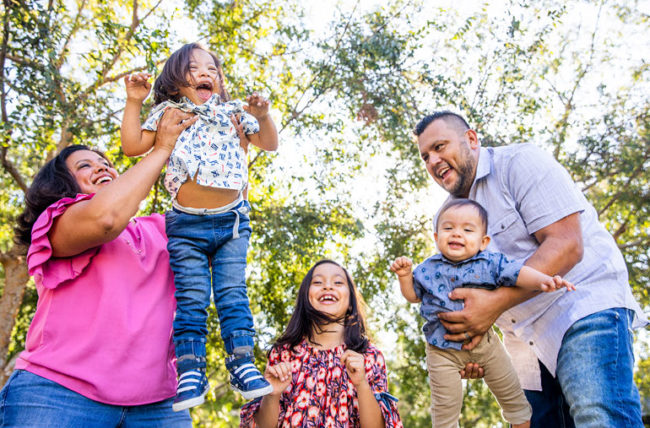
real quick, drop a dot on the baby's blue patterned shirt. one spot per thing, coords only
(434, 279)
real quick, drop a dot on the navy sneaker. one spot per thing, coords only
(245, 378)
(191, 390)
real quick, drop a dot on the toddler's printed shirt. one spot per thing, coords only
(210, 148)
(437, 276)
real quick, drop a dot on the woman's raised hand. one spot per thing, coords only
(137, 86)
(239, 127)
(355, 366)
(279, 376)
(173, 122)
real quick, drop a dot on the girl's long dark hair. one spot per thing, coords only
(53, 182)
(305, 319)
(174, 75)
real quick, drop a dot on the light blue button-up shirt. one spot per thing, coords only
(524, 189)
(434, 279)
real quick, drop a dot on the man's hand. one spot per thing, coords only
(137, 86)
(472, 371)
(482, 308)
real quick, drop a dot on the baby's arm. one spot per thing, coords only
(402, 266)
(267, 138)
(532, 279)
(135, 141)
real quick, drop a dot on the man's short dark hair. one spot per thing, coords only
(451, 118)
(462, 202)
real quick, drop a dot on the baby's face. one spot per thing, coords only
(202, 76)
(461, 233)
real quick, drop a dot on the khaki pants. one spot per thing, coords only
(447, 390)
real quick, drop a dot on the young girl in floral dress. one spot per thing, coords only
(323, 369)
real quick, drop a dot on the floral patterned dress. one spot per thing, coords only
(321, 394)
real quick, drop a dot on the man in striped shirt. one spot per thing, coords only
(572, 351)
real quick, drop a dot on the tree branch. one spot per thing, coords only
(73, 30)
(108, 65)
(640, 242)
(6, 138)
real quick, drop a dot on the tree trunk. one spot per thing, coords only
(16, 278)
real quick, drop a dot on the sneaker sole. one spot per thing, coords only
(251, 395)
(192, 402)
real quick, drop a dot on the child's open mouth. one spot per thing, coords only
(204, 91)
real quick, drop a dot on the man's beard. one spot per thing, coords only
(465, 174)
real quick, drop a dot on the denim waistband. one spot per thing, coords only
(231, 207)
(208, 211)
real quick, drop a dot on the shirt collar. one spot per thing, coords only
(483, 167)
(481, 255)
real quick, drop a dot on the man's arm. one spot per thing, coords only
(560, 249)
(560, 246)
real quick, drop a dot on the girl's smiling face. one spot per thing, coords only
(202, 76)
(329, 291)
(90, 170)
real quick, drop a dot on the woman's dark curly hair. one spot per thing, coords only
(174, 75)
(53, 182)
(305, 319)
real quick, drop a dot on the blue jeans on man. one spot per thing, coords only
(593, 386)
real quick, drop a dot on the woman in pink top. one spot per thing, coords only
(99, 351)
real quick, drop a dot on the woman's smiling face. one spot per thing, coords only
(90, 170)
(329, 291)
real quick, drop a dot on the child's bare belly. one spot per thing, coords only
(194, 195)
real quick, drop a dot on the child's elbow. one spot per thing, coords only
(272, 147)
(129, 152)
(414, 299)
(270, 144)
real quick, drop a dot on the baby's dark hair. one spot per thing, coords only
(462, 203)
(174, 75)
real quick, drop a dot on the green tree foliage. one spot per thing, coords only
(347, 182)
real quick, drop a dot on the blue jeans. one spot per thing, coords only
(28, 400)
(594, 385)
(206, 258)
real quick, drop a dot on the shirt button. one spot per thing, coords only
(513, 320)
(502, 227)
(530, 343)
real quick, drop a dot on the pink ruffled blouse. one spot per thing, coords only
(103, 322)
